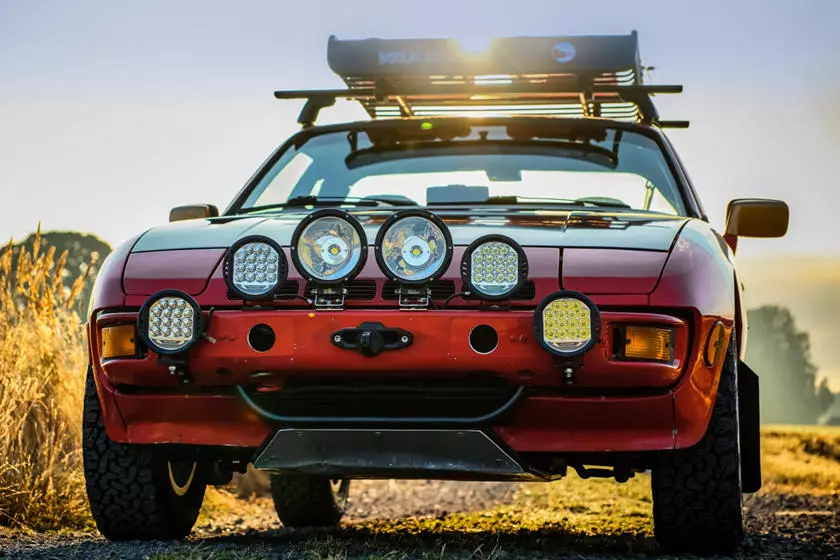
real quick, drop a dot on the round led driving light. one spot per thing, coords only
(494, 267)
(255, 267)
(413, 247)
(567, 323)
(329, 246)
(169, 322)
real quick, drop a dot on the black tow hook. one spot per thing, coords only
(371, 339)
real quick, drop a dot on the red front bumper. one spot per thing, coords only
(651, 406)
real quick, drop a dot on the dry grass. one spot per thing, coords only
(42, 364)
(801, 459)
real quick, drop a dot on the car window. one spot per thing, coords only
(621, 168)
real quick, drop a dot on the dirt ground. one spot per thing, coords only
(407, 520)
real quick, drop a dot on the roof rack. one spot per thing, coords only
(584, 76)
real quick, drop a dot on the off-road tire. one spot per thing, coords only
(697, 498)
(306, 501)
(128, 486)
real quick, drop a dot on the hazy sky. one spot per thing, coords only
(113, 112)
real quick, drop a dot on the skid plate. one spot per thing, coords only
(368, 453)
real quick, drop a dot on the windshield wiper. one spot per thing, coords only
(512, 200)
(310, 200)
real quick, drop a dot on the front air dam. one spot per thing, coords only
(368, 453)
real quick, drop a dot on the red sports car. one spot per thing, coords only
(504, 274)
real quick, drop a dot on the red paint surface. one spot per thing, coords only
(541, 423)
(698, 276)
(192, 419)
(187, 270)
(592, 424)
(108, 290)
(612, 271)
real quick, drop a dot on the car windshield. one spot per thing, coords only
(429, 166)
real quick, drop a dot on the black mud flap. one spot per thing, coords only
(749, 426)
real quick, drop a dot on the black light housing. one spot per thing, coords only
(329, 213)
(282, 269)
(393, 221)
(567, 322)
(146, 320)
(467, 267)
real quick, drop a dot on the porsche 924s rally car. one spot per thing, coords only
(504, 274)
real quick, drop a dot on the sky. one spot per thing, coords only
(111, 112)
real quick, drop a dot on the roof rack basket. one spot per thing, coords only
(584, 76)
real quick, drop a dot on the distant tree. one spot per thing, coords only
(781, 356)
(824, 395)
(83, 250)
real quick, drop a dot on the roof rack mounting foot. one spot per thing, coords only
(314, 104)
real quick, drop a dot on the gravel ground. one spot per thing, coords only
(779, 526)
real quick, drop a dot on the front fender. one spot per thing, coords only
(699, 278)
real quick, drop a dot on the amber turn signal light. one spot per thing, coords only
(118, 342)
(716, 344)
(648, 343)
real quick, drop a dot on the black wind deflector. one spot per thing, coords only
(584, 76)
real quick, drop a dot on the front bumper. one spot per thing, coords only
(440, 348)
(611, 406)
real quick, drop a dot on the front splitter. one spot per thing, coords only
(407, 453)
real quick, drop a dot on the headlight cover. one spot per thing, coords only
(494, 267)
(255, 267)
(567, 323)
(169, 322)
(413, 247)
(329, 246)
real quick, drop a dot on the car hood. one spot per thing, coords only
(530, 228)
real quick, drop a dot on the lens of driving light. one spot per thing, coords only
(170, 322)
(567, 323)
(414, 247)
(329, 246)
(254, 267)
(494, 267)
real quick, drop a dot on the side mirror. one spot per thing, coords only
(755, 217)
(193, 212)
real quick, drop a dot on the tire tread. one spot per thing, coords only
(128, 486)
(305, 501)
(697, 499)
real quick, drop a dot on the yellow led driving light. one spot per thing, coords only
(118, 342)
(648, 343)
(567, 323)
